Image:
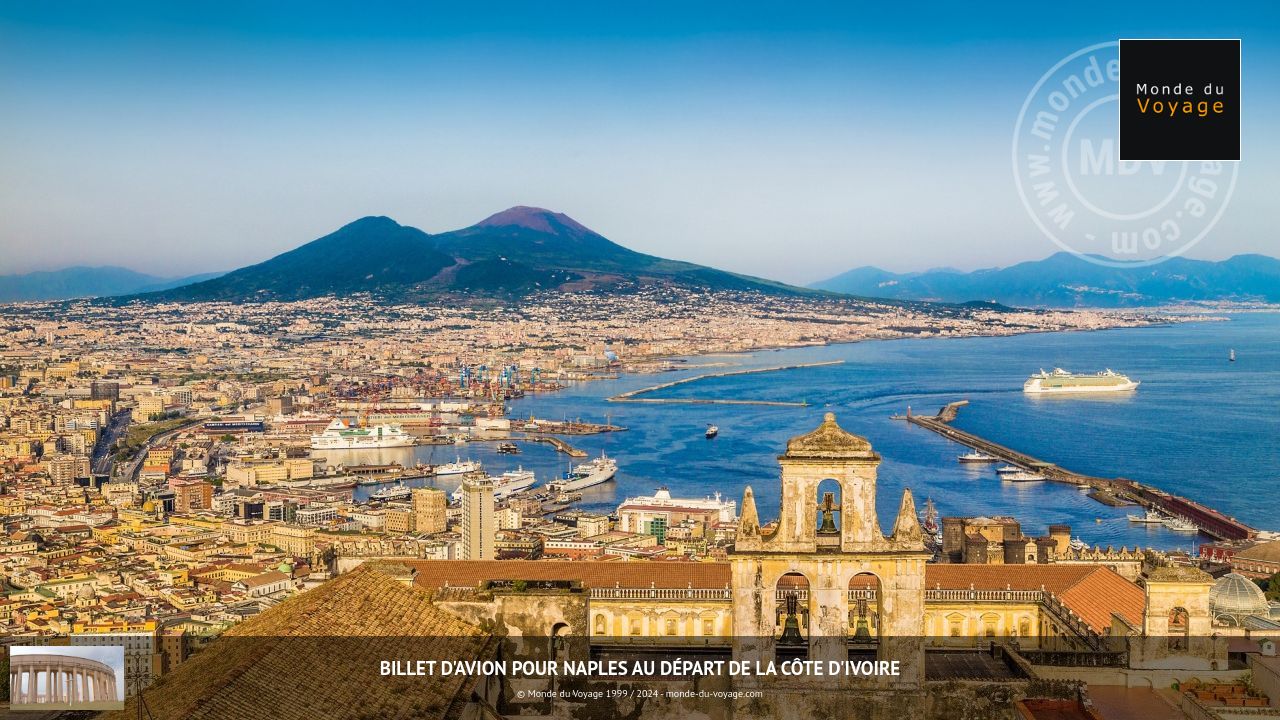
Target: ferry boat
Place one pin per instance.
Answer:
(1180, 525)
(340, 435)
(457, 467)
(1079, 545)
(977, 457)
(399, 491)
(1022, 476)
(588, 474)
(1062, 381)
(508, 449)
(1151, 517)
(712, 431)
(1008, 469)
(507, 484)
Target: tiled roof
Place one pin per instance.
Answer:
(1262, 552)
(317, 655)
(1091, 591)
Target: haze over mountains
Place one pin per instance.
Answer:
(1066, 280)
(525, 249)
(512, 253)
(82, 282)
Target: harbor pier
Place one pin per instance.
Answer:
(1110, 491)
(634, 395)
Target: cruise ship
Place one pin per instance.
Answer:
(1061, 381)
(506, 484)
(399, 491)
(588, 474)
(457, 467)
(341, 435)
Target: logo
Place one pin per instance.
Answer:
(1082, 196)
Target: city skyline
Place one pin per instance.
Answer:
(175, 142)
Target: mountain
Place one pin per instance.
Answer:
(511, 253)
(80, 281)
(1067, 280)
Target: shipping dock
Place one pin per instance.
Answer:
(1109, 491)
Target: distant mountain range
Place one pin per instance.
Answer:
(512, 253)
(82, 282)
(1066, 280)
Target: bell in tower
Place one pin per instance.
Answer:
(828, 526)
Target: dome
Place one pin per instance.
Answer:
(1235, 597)
(285, 567)
(148, 507)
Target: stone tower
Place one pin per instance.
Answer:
(840, 562)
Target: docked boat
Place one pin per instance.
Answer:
(457, 467)
(1151, 517)
(712, 431)
(507, 484)
(588, 474)
(508, 448)
(1079, 545)
(342, 435)
(930, 524)
(1008, 469)
(1180, 525)
(1062, 381)
(399, 491)
(977, 457)
(1022, 476)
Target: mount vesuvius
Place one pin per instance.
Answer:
(515, 252)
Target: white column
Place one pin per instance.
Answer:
(76, 695)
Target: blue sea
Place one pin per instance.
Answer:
(1199, 425)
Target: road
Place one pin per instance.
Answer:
(100, 460)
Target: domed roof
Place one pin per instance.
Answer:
(148, 506)
(829, 441)
(1235, 597)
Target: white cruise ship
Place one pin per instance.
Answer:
(506, 484)
(341, 435)
(588, 474)
(399, 491)
(457, 467)
(1061, 381)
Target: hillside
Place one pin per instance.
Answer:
(511, 253)
(79, 282)
(1066, 280)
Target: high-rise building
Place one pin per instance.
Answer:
(479, 525)
(429, 510)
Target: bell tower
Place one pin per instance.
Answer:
(831, 568)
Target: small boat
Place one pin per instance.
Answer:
(1180, 525)
(1008, 469)
(977, 457)
(509, 449)
(1079, 545)
(712, 431)
(1022, 476)
(1150, 517)
(1231, 356)
(930, 524)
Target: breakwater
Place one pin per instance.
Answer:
(1207, 520)
(634, 395)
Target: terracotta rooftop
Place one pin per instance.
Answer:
(1262, 552)
(317, 654)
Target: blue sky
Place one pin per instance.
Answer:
(790, 141)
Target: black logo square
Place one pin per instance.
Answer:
(1179, 99)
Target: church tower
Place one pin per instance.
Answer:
(825, 582)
